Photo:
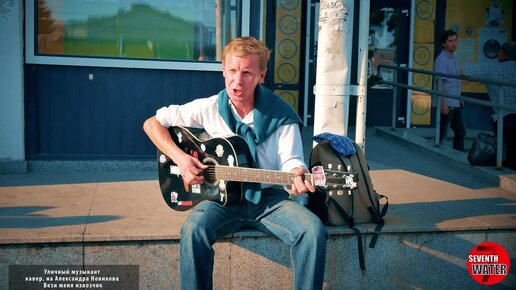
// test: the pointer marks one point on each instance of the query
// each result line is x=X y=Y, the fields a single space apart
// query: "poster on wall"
x=287 y=45
x=422 y=58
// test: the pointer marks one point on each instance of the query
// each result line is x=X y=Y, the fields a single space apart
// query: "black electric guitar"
x=230 y=164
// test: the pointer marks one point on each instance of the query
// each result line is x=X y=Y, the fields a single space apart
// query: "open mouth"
x=237 y=93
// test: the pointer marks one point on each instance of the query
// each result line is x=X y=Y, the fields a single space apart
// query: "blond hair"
x=243 y=46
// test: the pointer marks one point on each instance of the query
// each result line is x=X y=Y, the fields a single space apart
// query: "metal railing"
x=502 y=108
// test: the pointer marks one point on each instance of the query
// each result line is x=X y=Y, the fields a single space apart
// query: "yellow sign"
x=291 y=97
x=423 y=58
x=421 y=108
x=288 y=38
x=287 y=50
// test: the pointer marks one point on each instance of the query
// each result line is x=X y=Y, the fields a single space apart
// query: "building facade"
x=80 y=77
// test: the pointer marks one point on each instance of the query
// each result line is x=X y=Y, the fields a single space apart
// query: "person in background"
x=451 y=109
x=503 y=70
x=272 y=130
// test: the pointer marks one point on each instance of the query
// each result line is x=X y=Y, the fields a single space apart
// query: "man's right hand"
x=190 y=168
x=444 y=107
x=445 y=110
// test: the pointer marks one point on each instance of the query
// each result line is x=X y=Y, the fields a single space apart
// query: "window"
x=134 y=33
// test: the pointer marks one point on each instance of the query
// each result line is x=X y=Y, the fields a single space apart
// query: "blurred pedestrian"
x=451 y=109
x=502 y=70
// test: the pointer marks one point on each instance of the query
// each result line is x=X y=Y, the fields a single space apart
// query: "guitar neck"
x=254 y=175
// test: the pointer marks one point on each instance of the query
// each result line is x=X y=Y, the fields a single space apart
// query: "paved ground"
x=426 y=192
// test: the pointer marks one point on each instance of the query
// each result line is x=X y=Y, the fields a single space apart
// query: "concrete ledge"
x=92 y=165
x=399 y=261
x=13 y=166
x=66 y=166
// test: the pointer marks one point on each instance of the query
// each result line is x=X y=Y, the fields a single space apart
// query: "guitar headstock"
x=334 y=181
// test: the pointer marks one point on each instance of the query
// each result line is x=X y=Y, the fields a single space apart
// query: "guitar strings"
x=210 y=173
x=244 y=173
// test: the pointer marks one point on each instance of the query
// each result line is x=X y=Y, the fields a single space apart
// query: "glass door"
x=389 y=38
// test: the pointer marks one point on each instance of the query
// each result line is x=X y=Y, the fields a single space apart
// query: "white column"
x=363 y=48
x=12 y=147
x=332 y=80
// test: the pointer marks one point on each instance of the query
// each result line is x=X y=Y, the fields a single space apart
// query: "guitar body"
x=232 y=152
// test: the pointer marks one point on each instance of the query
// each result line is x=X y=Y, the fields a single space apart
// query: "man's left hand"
x=300 y=184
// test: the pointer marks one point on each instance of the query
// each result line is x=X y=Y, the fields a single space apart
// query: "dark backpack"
x=483 y=150
x=336 y=207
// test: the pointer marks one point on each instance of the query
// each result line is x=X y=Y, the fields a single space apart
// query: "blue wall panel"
x=70 y=116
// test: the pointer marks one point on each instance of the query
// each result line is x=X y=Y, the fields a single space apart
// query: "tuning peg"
x=330 y=192
x=349 y=168
x=340 y=192
x=339 y=167
x=349 y=192
x=329 y=166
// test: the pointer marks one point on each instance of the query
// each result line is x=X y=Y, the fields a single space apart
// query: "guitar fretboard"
x=254 y=175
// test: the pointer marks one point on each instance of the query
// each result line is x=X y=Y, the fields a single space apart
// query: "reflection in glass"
x=142 y=29
x=383 y=41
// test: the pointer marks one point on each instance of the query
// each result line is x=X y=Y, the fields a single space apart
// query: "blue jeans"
x=275 y=215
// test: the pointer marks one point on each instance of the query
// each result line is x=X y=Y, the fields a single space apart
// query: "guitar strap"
x=269 y=113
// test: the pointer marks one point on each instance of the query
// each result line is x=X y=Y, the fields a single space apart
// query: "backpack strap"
x=376 y=234
x=383 y=211
x=376 y=215
x=351 y=224
x=349 y=220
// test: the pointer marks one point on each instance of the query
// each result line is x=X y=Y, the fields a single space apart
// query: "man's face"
x=241 y=75
x=451 y=44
